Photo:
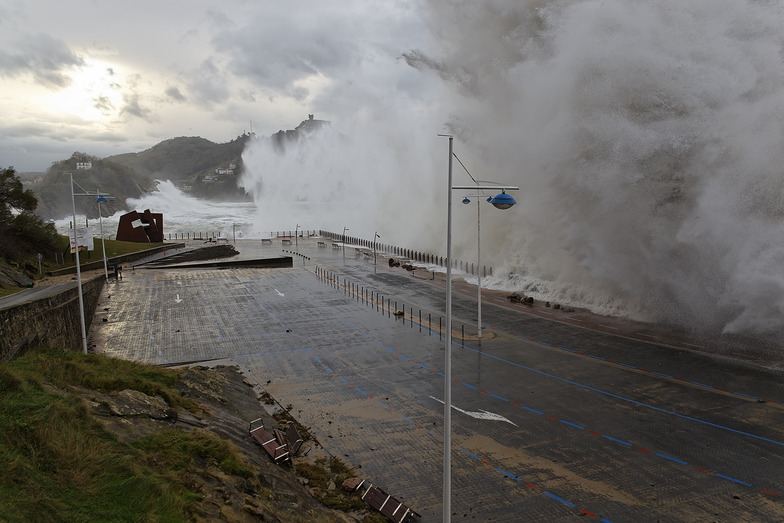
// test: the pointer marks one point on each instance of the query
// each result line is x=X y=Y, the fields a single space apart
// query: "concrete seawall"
x=52 y=319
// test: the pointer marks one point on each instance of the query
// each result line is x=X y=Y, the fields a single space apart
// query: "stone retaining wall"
x=52 y=320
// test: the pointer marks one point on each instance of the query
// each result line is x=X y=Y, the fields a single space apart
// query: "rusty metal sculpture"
x=146 y=227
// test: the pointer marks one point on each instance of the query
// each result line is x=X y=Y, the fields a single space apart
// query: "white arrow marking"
x=178 y=300
x=482 y=414
x=279 y=293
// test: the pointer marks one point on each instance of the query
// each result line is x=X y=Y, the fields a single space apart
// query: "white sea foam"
x=645 y=136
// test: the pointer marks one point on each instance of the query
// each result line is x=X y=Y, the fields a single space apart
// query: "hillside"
x=197 y=165
x=54 y=190
x=90 y=438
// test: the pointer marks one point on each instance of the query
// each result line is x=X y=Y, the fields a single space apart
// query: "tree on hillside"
x=13 y=195
x=22 y=233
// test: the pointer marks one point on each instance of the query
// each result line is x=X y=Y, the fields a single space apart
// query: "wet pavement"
x=551 y=420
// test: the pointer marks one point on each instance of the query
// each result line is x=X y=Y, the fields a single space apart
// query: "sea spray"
x=645 y=136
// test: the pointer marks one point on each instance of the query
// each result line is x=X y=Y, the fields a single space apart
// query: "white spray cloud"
x=646 y=138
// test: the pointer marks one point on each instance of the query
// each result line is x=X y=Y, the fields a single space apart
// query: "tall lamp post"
x=100 y=199
x=466 y=201
x=374 y=247
x=78 y=270
x=344 y=244
x=296 y=237
x=500 y=201
x=103 y=199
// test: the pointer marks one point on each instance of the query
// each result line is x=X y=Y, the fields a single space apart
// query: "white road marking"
x=279 y=293
x=482 y=414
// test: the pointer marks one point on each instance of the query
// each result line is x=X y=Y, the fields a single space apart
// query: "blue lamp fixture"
x=502 y=201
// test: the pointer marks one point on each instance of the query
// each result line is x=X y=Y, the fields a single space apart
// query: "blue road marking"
x=618 y=440
x=628 y=400
x=672 y=459
x=562 y=500
x=733 y=479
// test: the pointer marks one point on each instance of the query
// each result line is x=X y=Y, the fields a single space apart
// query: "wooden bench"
x=280 y=445
x=322 y=245
x=293 y=439
x=286 y=242
x=387 y=505
x=266 y=241
x=277 y=451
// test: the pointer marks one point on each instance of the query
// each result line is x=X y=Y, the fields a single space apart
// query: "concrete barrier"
x=51 y=320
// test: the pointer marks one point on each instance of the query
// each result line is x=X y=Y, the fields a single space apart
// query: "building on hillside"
x=311 y=124
x=84 y=165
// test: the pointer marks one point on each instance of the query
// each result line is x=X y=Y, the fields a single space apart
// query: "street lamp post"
x=374 y=247
x=296 y=237
x=500 y=201
x=78 y=270
x=103 y=199
x=100 y=199
x=466 y=201
x=344 y=244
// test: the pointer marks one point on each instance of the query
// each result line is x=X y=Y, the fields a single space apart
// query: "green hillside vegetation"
x=187 y=160
x=67 y=456
x=61 y=465
x=23 y=234
x=112 y=178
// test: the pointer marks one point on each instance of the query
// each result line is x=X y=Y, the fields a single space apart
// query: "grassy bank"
x=68 y=454
x=60 y=464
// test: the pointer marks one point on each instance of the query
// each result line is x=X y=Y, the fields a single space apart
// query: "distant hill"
x=197 y=165
x=53 y=189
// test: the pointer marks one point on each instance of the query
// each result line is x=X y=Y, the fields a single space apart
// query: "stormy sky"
x=109 y=77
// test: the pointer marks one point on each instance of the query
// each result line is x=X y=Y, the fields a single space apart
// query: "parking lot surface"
x=551 y=421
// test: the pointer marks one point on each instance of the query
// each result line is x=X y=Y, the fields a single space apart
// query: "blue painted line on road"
x=562 y=500
x=423 y=366
x=499 y=397
x=508 y=474
x=470 y=386
x=746 y=395
x=618 y=440
x=672 y=459
x=625 y=399
x=249 y=354
x=329 y=369
x=533 y=410
x=361 y=391
x=701 y=384
x=596 y=357
x=733 y=479
x=661 y=374
x=572 y=424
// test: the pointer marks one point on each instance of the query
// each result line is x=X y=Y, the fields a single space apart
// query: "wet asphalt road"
x=550 y=421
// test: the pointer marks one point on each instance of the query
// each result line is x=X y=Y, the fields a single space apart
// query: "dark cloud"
x=174 y=94
x=209 y=84
x=103 y=104
x=47 y=59
x=277 y=53
x=133 y=107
